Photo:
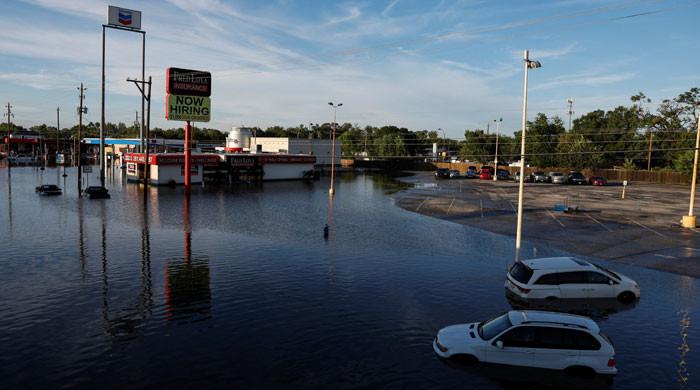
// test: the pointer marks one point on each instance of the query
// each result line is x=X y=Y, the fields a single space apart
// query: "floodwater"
x=238 y=288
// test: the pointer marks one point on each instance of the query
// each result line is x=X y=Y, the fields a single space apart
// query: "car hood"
x=458 y=335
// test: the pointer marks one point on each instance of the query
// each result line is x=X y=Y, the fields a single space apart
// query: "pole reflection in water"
x=331 y=238
x=81 y=239
x=9 y=207
x=105 y=279
x=187 y=285
x=146 y=276
x=683 y=374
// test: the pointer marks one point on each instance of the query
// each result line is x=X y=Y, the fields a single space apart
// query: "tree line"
x=621 y=136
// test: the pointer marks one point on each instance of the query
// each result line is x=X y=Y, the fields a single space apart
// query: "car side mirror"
x=499 y=344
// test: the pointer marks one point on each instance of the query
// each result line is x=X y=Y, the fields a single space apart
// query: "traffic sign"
x=187 y=82
x=188 y=108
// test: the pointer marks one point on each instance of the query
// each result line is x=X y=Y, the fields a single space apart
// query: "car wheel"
x=464 y=358
x=626 y=297
x=580 y=371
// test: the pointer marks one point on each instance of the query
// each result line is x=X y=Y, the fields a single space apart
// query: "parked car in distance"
x=442 y=173
x=526 y=338
x=538 y=177
x=576 y=178
x=48 y=189
x=503 y=174
x=97 y=192
x=486 y=173
x=558 y=178
x=472 y=173
x=516 y=177
x=454 y=174
x=597 y=181
x=568 y=277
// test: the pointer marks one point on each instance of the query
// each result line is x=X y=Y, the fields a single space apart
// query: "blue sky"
x=415 y=63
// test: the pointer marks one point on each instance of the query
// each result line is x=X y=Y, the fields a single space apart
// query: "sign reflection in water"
x=187 y=290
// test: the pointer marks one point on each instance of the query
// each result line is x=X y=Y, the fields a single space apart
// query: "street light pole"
x=529 y=64
x=331 y=191
x=495 y=157
x=689 y=220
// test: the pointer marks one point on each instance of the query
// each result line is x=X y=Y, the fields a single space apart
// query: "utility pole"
x=651 y=140
x=9 y=116
x=689 y=221
x=571 y=110
x=147 y=97
x=81 y=110
x=331 y=191
x=58 y=128
x=495 y=157
x=529 y=64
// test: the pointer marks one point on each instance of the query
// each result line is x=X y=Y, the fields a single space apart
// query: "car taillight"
x=611 y=362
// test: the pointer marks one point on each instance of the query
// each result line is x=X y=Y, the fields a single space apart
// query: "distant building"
x=320 y=148
x=243 y=140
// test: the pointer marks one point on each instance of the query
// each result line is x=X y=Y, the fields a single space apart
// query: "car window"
x=583 y=340
x=577 y=277
x=560 y=338
x=550 y=279
x=521 y=272
x=520 y=337
x=597 y=278
x=553 y=338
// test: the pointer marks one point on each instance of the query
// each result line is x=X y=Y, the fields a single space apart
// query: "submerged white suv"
x=568 y=277
x=531 y=339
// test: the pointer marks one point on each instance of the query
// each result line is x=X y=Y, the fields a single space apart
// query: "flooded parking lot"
x=239 y=288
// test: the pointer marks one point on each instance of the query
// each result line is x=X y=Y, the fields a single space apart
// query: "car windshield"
x=576 y=175
x=557 y=174
x=491 y=328
x=539 y=173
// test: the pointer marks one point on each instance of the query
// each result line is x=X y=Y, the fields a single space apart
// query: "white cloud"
x=584 y=79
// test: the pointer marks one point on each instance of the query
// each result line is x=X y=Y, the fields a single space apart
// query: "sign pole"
x=102 y=120
x=188 y=137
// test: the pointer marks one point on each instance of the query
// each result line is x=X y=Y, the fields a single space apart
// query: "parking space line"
x=481 y=205
x=451 y=204
x=421 y=204
x=599 y=223
x=647 y=228
x=555 y=218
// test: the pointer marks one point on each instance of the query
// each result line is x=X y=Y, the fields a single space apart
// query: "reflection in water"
x=9 y=205
x=81 y=239
x=146 y=276
x=683 y=374
x=512 y=377
x=330 y=235
x=187 y=285
x=598 y=309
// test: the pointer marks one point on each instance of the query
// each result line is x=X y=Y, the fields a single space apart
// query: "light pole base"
x=689 y=222
x=331 y=192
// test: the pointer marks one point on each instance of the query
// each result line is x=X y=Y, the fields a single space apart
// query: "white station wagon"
x=568 y=277
x=531 y=339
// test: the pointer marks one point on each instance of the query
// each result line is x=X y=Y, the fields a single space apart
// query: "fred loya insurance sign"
x=188 y=94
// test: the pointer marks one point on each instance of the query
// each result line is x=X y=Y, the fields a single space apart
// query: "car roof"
x=520 y=317
x=556 y=263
